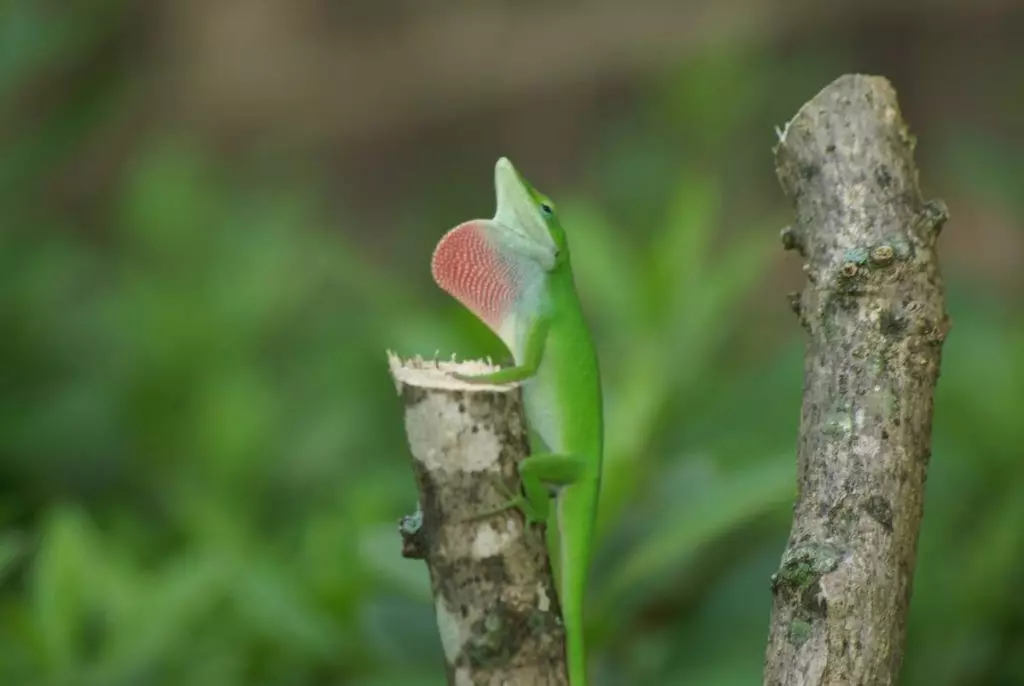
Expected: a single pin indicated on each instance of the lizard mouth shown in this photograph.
(518, 212)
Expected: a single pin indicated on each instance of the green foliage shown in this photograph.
(202, 459)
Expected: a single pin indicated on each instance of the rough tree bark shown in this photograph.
(874, 312)
(494, 594)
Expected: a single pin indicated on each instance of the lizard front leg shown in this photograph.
(535, 343)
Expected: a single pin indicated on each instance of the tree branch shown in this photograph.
(494, 595)
(874, 312)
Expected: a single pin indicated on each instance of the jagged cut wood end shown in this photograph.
(438, 374)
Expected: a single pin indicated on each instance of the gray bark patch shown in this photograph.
(873, 310)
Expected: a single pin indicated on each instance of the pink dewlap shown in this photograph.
(468, 267)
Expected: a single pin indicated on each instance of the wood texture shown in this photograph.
(495, 599)
(874, 313)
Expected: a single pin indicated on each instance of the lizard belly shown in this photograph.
(542, 412)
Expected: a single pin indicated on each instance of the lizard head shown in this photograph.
(492, 266)
(528, 214)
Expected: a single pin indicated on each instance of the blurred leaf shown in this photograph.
(406, 678)
(993, 564)
(62, 600)
(166, 609)
(270, 605)
(401, 631)
(986, 166)
(672, 360)
(604, 264)
(12, 549)
(689, 524)
(691, 96)
(678, 254)
(381, 550)
(35, 38)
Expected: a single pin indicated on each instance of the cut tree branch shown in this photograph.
(874, 312)
(494, 595)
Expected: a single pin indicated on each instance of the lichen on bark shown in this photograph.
(873, 310)
(494, 596)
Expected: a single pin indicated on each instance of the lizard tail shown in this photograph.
(574, 547)
(573, 586)
(575, 651)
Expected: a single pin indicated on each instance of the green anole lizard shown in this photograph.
(513, 272)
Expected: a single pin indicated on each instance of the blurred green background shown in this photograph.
(216, 216)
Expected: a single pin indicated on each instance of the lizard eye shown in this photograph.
(546, 209)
